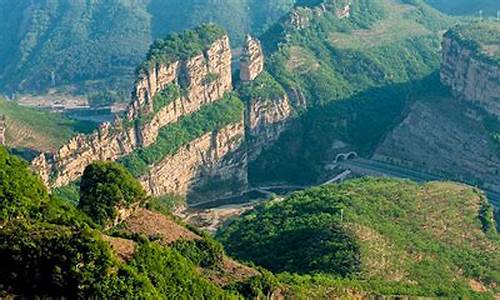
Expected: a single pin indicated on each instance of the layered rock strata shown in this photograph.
(204, 78)
(470, 76)
(212, 163)
(252, 59)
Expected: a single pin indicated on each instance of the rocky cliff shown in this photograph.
(2, 130)
(214, 165)
(469, 66)
(252, 59)
(265, 120)
(202, 78)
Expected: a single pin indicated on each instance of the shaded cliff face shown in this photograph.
(469, 66)
(440, 136)
(252, 59)
(202, 79)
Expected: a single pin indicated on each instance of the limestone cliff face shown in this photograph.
(213, 162)
(204, 78)
(252, 59)
(265, 121)
(470, 78)
(2, 129)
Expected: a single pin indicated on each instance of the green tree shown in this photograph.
(107, 187)
(21, 192)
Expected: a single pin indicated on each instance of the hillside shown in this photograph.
(465, 7)
(51, 249)
(382, 235)
(38, 130)
(94, 46)
(350, 77)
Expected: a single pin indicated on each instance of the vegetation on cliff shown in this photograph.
(482, 38)
(215, 116)
(182, 46)
(350, 79)
(395, 237)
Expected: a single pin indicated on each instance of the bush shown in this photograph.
(21, 192)
(46, 259)
(105, 187)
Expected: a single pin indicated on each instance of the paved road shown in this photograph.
(375, 168)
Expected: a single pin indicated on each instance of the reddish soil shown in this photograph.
(157, 226)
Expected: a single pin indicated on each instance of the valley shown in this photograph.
(343, 150)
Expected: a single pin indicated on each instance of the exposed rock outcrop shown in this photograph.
(213, 162)
(252, 59)
(265, 120)
(204, 78)
(445, 138)
(470, 76)
(2, 129)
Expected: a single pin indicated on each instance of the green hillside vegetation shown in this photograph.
(394, 237)
(238, 16)
(182, 46)
(95, 46)
(39, 130)
(50, 249)
(357, 75)
(209, 118)
(481, 37)
(466, 7)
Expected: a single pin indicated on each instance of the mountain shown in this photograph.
(50, 248)
(381, 235)
(466, 8)
(350, 70)
(82, 46)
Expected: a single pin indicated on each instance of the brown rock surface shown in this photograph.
(252, 59)
(470, 78)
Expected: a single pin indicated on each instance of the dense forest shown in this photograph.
(82, 46)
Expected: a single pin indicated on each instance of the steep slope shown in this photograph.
(455, 133)
(348, 69)
(182, 132)
(387, 236)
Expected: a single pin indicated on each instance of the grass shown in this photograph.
(44, 131)
(429, 240)
(383, 32)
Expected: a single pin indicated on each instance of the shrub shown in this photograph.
(106, 187)
(21, 192)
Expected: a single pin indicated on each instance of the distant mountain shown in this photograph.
(88, 46)
(466, 7)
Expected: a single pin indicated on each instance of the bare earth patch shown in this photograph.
(156, 225)
(123, 248)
